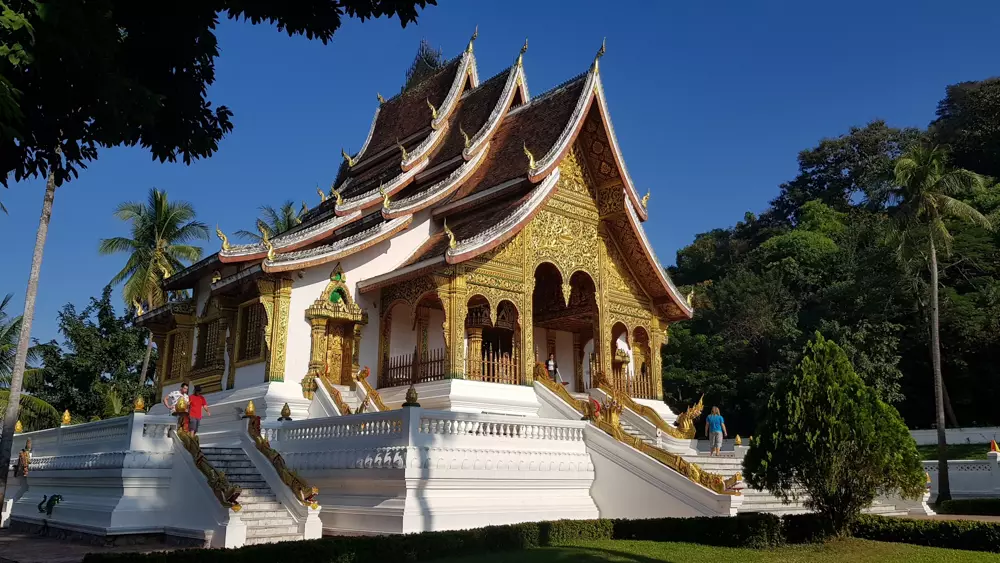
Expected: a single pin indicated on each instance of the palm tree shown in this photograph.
(160, 231)
(35, 413)
(926, 186)
(275, 220)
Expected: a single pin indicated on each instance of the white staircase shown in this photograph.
(349, 396)
(266, 519)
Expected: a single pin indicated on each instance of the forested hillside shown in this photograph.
(826, 255)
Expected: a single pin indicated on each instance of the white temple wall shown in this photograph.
(435, 330)
(403, 336)
(248, 376)
(375, 261)
(564, 357)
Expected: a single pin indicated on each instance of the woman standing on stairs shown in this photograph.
(715, 428)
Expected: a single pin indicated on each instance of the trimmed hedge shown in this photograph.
(745, 530)
(970, 507)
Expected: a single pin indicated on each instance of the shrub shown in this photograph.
(826, 431)
(951, 534)
(972, 506)
(745, 530)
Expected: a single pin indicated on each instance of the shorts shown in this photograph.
(715, 440)
(193, 424)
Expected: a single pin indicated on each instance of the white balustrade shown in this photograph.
(456, 424)
(136, 431)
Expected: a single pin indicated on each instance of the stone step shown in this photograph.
(247, 464)
(255, 515)
(273, 539)
(216, 450)
(239, 470)
(223, 458)
(267, 531)
(279, 522)
(250, 484)
(260, 506)
(254, 496)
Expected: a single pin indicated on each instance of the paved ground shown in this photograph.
(27, 548)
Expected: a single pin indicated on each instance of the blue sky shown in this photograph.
(711, 102)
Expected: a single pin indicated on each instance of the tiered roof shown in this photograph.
(484, 157)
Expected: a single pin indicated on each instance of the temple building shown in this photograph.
(465, 331)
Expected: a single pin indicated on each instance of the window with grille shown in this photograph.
(178, 354)
(209, 339)
(252, 319)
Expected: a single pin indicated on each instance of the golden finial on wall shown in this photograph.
(737, 441)
(531, 157)
(139, 405)
(347, 157)
(464, 136)
(222, 237)
(434, 111)
(475, 35)
(66, 419)
(402, 149)
(322, 196)
(600, 52)
(645, 200)
(451, 236)
(336, 194)
(385, 196)
(251, 410)
(18, 427)
(381, 100)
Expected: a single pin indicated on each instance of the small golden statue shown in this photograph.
(411, 397)
(737, 441)
(286, 413)
(381, 100)
(66, 420)
(452, 243)
(250, 411)
(140, 405)
(434, 111)
(18, 427)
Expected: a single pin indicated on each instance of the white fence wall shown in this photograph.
(957, 435)
(969, 478)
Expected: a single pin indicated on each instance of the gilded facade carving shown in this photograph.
(568, 243)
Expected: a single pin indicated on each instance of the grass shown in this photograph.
(839, 551)
(955, 451)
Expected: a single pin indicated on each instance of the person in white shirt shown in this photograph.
(553, 368)
(170, 401)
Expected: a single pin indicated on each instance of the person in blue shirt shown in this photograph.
(715, 428)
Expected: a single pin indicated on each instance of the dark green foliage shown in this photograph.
(101, 356)
(969, 122)
(826, 431)
(951, 534)
(97, 75)
(745, 530)
(970, 507)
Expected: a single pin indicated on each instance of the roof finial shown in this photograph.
(434, 111)
(385, 196)
(464, 136)
(381, 100)
(138, 308)
(451, 235)
(305, 208)
(222, 237)
(347, 157)
(645, 200)
(322, 196)
(265, 238)
(334, 192)
(524, 49)
(406, 155)
(690, 299)
(475, 34)
(600, 52)
(531, 157)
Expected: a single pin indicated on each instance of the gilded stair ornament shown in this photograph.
(18, 427)
(434, 111)
(475, 35)
(738, 441)
(139, 405)
(402, 149)
(531, 157)
(381, 100)
(222, 237)
(250, 410)
(451, 236)
(66, 419)
(645, 200)
(347, 157)
(225, 492)
(322, 196)
(286, 413)
(385, 197)
(303, 492)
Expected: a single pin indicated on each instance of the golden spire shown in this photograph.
(524, 49)
(139, 405)
(464, 136)
(451, 235)
(381, 100)
(434, 111)
(322, 196)
(600, 52)
(66, 420)
(347, 157)
(222, 237)
(531, 157)
(335, 193)
(402, 149)
(475, 34)
(645, 200)
(385, 196)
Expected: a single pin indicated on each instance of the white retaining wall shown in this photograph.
(957, 435)
(969, 478)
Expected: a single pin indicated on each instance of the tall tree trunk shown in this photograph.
(949, 411)
(24, 339)
(944, 486)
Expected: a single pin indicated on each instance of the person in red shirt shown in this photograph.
(198, 404)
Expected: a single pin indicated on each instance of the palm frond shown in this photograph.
(956, 209)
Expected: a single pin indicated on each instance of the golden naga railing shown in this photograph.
(370, 393)
(685, 421)
(607, 418)
(225, 492)
(302, 491)
(338, 399)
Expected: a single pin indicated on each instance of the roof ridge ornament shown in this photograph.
(464, 136)
(451, 236)
(475, 35)
(381, 100)
(524, 49)
(304, 210)
(335, 193)
(600, 52)
(434, 111)
(385, 197)
(690, 298)
(402, 149)
(531, 158)
(222, 237)
(265, 238)
(645, 199)
(347, 157)
(322, 196)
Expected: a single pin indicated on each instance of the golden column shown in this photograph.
(452, 293)
(475, 360)
(317, 352)
(657, 338)
(578, 362)
(356, 357)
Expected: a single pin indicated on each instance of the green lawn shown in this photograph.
(663, 552)
(956, 451)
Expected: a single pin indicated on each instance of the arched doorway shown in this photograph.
(622, 359)
(564, 312)
(493, 342)
(643, 387)
(413, 348)
(336, 322)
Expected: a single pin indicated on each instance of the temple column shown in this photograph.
(356, 356)
(578, 362)
(475, 360)
(657, 338)
(452, 293)
(384, 339)
(528, 350)
(550, 343)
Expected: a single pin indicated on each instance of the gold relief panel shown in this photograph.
(510, 253)
(570, 244)
(627, 310)
(482, 279)
(408, 291)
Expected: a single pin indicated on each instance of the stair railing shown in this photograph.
(302, 491)
(372, 401)
(685, 431)
(227, 493)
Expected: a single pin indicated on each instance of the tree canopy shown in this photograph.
(80, 76)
